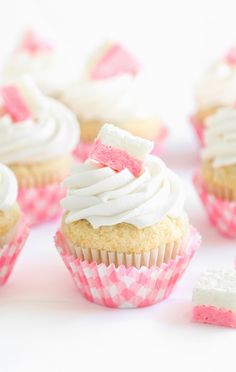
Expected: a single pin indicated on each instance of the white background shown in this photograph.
(45, 325)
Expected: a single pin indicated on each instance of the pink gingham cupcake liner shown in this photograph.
(82, 151)
(221, 213)
(41, 204)
(126, 287)
(10, 251)
(198, 128)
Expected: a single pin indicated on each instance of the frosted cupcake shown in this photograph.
(216, 89)
(13, 230)
(216, 181)
(113, 90)
(37, 136)
(125, 224)
(35, 56)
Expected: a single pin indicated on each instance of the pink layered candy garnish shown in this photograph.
(13, 104)
(33, 43)
(213, 315)
(231, 56)
(115, 158)
(115, 61)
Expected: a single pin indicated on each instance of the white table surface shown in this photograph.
(46, 325)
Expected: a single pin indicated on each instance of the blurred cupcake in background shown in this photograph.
(216, 89)
(37, 136)
(113, 90)
(125, 236)
(13, 229)
(216, 180)
(36, 57)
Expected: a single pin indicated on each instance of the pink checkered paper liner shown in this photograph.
(83, 149)
(221, 213)
(41, 204)
(126, 287)
(198, 128)
(10, 252)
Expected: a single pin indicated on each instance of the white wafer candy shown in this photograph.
(216, 288)
(119, 150)
(116, 137)
(214, 298)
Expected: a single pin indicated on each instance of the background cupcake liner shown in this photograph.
(155, 257)
(40, 204)
(10, 251)
(221, 213)
(82, 151)
(124, 287)
(198, 128)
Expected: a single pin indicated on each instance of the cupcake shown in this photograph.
(35, 56)
(13, 230)
(113, 90)
(125, 236)
(37, 136)
(216, 89)
(216, 180)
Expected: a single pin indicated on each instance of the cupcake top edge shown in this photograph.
(8, 188)
(33, 127)
(220, 138)
(114, 186)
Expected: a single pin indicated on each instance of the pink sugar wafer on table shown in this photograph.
(115, 60)
(118, 149)
(32, 43)
(14, 104)
(214, 298)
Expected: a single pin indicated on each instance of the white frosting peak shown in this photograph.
(106, 197)
(220, 138)
(8, 188)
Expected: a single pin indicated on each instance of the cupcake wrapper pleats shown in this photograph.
(126, 287)
(40, 204)
(10, 251)
(221, 213)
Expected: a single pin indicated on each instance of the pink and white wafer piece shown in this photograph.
(115, 60)
(126, 287)
(118, 149)
(32, 43)
(82, 151)
(214, 298)
(14, 104)
(22, 100)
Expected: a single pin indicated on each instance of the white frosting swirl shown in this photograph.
(104, 197)
(8, 188)
(113, 99)
(220, 138)
(54, 132)
(217, 87)
(42, 67)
